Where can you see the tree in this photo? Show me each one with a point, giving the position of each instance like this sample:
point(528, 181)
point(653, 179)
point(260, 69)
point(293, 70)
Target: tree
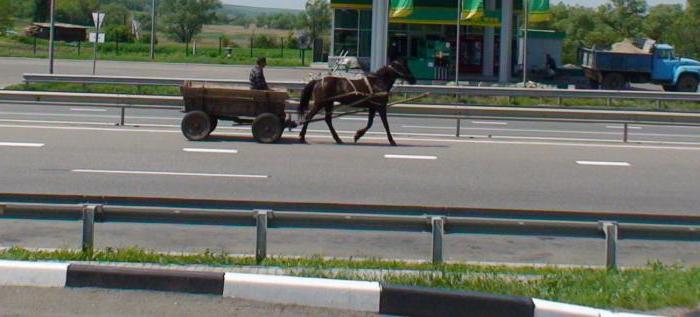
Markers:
point(116, 14)
point(183, 19)
point(625, 17)
point(694, 9)
point(317, 18)
point(6, 17)
point(658, 23)
point(76, 11)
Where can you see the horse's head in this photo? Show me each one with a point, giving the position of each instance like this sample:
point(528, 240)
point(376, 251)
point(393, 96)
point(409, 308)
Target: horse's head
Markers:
point(400, 68)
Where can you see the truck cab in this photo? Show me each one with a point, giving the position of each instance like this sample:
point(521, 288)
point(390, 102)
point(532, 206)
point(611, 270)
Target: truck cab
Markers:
point(672, 72)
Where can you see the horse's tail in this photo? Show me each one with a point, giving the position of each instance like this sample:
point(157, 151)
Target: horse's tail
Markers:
point(306, 97)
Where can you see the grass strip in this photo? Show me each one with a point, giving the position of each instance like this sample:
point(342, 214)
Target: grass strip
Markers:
point(652, 287)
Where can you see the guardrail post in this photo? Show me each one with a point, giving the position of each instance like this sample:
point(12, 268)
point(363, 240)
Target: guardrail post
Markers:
point(459, 127)
point(626, 132)
point(438, 230)
point(610, 231)
point(121, 122)
point(261, 234)
point(89, 227)
point(559, 101)
point(658, 104)
point(608, 102)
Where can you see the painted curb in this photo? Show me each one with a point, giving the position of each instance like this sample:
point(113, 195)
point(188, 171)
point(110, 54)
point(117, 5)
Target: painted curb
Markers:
point(339, 294)
point(39, 274)
point(317, 292)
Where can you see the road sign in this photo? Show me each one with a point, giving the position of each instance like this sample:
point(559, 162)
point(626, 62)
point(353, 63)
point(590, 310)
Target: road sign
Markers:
point(92, 37)
point(98, 18)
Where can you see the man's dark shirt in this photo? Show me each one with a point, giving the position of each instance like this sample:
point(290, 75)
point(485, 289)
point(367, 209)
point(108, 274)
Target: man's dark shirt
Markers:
point(257, 79)
point(551, 64)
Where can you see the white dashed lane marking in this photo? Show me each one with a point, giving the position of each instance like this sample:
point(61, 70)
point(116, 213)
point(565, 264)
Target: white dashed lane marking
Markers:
point(223, 151)
point(410, 157)
point(19, 144)
point(168, 173)
point(600, 163)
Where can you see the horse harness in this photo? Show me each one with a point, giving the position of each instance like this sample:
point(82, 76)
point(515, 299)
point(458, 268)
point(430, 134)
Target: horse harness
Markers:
point(367, 96)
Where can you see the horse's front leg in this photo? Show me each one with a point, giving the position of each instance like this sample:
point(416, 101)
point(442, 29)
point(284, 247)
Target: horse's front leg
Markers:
point(309, 116)
point(370, 120)
point(329, 121)
point(382, 114)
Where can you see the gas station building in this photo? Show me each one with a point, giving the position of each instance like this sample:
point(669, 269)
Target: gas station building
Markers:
point(427, 37)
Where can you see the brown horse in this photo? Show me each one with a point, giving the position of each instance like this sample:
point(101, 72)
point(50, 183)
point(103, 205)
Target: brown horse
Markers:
point(370, 92)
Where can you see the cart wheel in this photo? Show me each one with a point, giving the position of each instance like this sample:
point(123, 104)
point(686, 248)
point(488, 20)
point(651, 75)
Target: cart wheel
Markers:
point(267, 128)
point(614, 81)
point(687, 83)
point(196, 125)
point(213, 123)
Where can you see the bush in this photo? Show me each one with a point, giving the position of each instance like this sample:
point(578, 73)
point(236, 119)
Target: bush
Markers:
point(119, 33)
point(292, 41)
point(264, 41)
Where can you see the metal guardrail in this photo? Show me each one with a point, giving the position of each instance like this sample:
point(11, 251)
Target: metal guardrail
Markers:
point(35, 207)
point(451, 112)
point(433, 89)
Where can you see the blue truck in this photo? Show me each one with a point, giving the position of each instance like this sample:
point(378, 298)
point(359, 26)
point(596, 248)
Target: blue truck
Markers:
point(614, 70)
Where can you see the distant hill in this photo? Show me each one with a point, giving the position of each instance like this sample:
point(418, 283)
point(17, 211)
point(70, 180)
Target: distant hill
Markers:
point(237, 10)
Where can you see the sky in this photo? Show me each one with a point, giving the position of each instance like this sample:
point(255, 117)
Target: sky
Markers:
point(299, 4)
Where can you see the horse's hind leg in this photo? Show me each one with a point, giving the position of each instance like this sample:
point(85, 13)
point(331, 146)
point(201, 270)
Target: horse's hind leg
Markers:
point(382, 114)
point(309, 116)
point(329, 121)
point(370, 120)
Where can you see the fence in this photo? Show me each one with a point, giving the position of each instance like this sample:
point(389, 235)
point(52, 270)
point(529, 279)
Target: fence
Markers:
point(439, 222)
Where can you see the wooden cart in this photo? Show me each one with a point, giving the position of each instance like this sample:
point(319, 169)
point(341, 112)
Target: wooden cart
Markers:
point(206, 103)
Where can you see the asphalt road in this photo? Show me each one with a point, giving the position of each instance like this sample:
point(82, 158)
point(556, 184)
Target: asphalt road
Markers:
point(522, 165)
point(12, 69)
point(59, 302)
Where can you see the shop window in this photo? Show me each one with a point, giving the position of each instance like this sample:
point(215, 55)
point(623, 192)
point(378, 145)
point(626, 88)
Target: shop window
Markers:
point(346, 19)
point(345, 40)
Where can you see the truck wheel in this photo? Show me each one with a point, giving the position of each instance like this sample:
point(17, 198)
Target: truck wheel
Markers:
point(669, 88)
point(593, 84)
point(614, 81)
point(267, 128)
point(196, 125)
point(687, 83)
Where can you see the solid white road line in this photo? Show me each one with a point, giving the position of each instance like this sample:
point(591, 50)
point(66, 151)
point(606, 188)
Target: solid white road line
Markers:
point(410, 157)
point(599, 163)
point(167, 173)
point(354, 119)
point(490, 122)
point(88, 109)
point(16, 144)
point(195, 150)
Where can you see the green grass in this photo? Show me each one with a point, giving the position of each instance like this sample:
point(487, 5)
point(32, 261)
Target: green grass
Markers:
point(167, 52)
point(98, 88)
point(652, 287)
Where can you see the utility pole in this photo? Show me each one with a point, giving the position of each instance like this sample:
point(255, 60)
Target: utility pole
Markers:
point(52, 33)
point(153, 29)
point(459, 40)
point(526, 9)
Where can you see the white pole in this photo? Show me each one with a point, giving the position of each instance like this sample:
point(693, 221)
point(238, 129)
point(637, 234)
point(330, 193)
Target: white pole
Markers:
point(459, 40)
point(97, 39)
point(153, 29)
point(52, 35)
point(526, 10)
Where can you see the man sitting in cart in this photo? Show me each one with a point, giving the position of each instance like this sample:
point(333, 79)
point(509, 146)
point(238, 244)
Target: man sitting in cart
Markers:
point(257, 78)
